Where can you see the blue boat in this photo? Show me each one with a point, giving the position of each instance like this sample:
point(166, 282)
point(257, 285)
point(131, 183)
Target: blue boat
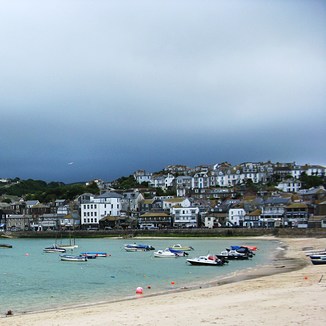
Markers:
point(94, 253)
point(138, 247)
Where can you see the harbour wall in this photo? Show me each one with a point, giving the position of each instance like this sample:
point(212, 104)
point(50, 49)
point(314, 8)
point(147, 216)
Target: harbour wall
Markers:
point(196, 232)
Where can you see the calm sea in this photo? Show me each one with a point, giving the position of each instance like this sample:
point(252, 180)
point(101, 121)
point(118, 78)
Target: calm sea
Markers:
point(31, 280)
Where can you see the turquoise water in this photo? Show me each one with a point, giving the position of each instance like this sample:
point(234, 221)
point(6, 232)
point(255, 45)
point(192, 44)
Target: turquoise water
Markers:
point(31, 280)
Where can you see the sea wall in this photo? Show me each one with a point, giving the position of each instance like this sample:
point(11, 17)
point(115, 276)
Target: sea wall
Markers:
point(220, 232)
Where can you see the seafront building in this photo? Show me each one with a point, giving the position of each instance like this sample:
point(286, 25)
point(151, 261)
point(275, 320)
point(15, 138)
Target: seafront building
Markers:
point(219, 195)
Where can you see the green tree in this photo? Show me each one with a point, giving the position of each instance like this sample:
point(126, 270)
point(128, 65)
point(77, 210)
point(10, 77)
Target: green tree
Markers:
point(310, 181)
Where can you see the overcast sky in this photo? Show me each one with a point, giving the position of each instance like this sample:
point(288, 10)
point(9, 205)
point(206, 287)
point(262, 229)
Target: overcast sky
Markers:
point(100, 88)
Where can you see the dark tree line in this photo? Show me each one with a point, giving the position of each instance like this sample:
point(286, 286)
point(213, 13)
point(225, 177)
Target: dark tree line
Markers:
point(46, 192)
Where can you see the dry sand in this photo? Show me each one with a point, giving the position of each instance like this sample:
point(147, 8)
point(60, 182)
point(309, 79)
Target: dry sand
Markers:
point(292, 292)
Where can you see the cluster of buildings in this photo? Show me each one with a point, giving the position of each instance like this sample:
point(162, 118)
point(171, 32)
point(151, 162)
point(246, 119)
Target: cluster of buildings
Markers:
point(205, 196)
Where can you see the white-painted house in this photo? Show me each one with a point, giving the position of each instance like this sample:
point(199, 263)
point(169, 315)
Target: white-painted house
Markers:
point(107, 204)
point(236, 217)
point(162, 181)
point(289, 185)
point(171, 202)
point(185, 216)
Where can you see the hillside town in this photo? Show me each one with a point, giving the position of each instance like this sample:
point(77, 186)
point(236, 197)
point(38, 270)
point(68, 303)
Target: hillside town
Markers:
point(248, 195)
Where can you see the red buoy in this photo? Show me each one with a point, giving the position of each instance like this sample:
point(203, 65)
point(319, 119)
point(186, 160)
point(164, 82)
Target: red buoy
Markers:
point(139, 290)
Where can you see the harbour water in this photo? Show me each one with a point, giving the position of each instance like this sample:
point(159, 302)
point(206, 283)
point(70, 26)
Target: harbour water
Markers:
point(31, 280)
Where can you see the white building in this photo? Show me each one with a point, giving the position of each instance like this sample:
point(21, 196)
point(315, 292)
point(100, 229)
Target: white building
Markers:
point(107, 204)
point(142, 176)
point(289, 185)
point(171, 202)
point(163, 182)
point(236, 216)
point(185, 216)
point(316, 170)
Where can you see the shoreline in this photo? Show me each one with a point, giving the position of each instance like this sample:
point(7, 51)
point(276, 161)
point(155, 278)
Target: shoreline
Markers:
point(289, 259)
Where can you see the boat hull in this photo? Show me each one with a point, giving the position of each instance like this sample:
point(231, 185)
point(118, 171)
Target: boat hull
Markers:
point(5, 246)
point(96, 253)
point(209, 260)
point(318, 259)
point(73, 258)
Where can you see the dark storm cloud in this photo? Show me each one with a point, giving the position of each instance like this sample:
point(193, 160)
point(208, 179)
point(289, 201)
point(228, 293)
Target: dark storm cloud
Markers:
point(115, 86)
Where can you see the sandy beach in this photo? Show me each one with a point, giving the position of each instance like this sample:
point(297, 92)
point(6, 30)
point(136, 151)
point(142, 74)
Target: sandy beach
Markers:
point(291, 291)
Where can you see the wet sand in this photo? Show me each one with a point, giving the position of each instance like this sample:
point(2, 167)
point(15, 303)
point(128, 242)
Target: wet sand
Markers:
point(289, 291)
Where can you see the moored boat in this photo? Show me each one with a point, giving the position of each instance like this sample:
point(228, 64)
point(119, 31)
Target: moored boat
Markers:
point(54, 248)
point(209, 260)
point(178, 246)
point(138, 247)
point(232, 255)
point(180, 253)
point(252, 248)
point(315, 252)
point(318, 259)
point(243, 250)
point(73, 258)
point(89, 255)
point(166, 253)
point(5, 245)
point(96, 253)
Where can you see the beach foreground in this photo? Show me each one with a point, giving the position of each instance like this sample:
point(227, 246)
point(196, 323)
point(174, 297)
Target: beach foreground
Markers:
point(291, 291)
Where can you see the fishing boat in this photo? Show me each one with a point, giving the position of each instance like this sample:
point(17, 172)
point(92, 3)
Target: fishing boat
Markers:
point(96, 253)
point(138, 247)
point(318, 259)
point(73, 258)
point(209, 260)
point(53, 248)
point(178, 246)
point(166, 253)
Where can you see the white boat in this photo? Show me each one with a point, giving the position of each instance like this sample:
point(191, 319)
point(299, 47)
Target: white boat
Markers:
point(178, 246)
point(53, 248)
point(73, 258)
point(166, 253)
point(209, 260)
point(315, 252)
point(68, 246)
point(71, 245)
